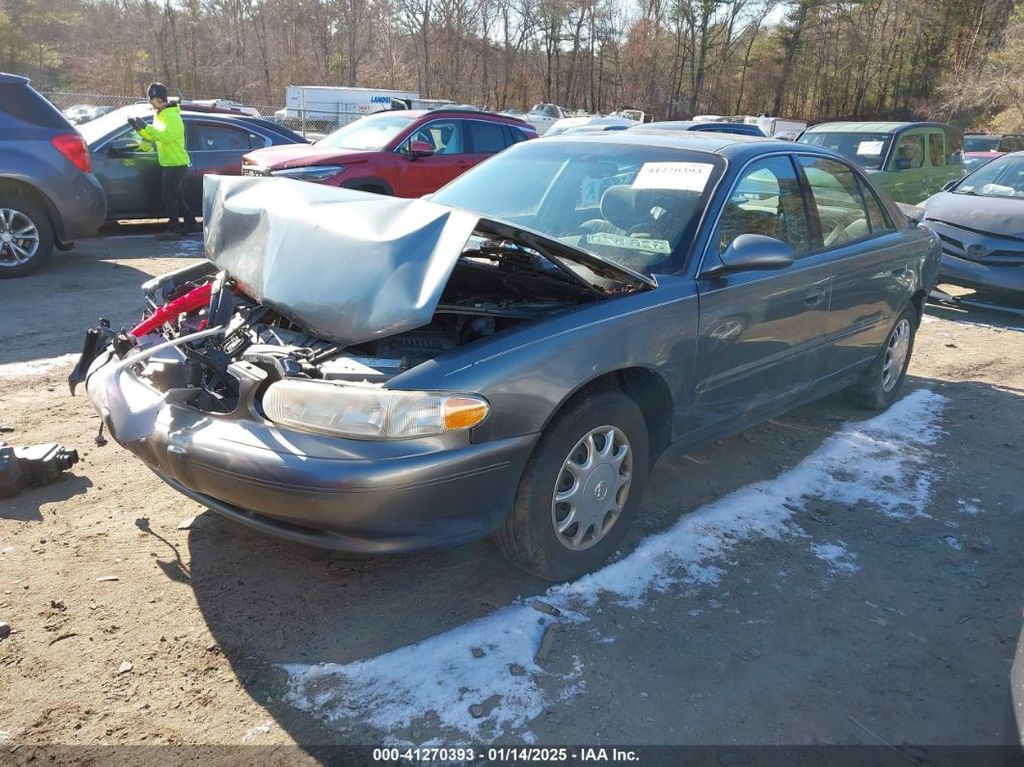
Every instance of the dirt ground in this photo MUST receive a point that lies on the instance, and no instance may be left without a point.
(131, 624)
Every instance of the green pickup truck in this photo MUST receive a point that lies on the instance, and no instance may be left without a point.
(911, 160)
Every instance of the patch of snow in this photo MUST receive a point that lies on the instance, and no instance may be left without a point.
(839, 558)
(882, 462)
(970, 507)
(37, 367)
(259, 729)
(953, 542)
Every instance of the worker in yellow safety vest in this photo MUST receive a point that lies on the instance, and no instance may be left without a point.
(167, 134)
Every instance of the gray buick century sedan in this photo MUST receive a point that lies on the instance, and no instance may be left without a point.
(509, 357)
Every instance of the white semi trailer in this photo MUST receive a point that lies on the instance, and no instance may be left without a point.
(331, 107)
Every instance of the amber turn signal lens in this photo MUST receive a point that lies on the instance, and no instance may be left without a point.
(463, 412)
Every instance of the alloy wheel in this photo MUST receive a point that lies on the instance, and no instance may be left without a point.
(19, 238)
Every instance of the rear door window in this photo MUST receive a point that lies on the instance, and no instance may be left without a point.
(878, 219)
(220, 138)
(514, 135)
(486, 137)
(26, 105)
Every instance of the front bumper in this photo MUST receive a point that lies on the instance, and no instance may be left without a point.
(983, 262)
(1005, 281)
(361, 496)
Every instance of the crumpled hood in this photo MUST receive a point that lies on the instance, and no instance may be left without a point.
(995, 215)
(351, 266)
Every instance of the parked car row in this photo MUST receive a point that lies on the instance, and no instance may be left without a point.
(56, 184)
(981, 148)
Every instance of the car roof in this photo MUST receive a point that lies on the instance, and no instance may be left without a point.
(9, 79)
(732, 146)
(143, 108)
(688, 124)
(871, 127)
(464, 111)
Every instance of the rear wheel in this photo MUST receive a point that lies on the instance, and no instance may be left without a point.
(880, 384)
(580, 489)
(26, 237)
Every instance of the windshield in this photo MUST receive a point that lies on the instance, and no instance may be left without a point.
(1003, 177)
(94, 130)
(866, 149)
(370, 132)
(634, 206)
(981, 143)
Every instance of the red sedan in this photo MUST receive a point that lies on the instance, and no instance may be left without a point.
(406, 153)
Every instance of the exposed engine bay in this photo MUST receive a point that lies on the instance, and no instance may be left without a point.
(495, 285)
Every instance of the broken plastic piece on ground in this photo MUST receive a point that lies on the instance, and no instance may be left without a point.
(91, 347)
(22, 467)
(940, 296)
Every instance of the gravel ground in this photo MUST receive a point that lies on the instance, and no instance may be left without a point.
(819, 579)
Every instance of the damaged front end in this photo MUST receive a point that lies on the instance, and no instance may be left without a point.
(289, 337)
(311, 284)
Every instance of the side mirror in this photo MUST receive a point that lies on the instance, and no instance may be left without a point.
(949, 186)
(754, 251)
(122, 147)
(420, 149)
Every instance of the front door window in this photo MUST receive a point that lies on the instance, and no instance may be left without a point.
(766, 200)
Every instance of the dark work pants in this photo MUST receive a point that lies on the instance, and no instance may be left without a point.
(173, 194)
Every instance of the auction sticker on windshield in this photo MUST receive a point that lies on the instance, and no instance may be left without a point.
(870, 147)
(686, 176)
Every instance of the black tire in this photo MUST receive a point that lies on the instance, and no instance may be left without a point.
(24, 209)
(529, 537)
(873, 389)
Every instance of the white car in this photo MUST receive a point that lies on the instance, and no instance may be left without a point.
(543, 116)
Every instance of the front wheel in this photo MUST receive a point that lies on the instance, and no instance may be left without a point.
(26, 237)
(580, 489)
(880, 384)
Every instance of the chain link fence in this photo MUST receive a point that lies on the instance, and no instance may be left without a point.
(81, 108)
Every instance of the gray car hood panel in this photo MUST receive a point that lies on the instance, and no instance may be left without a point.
(994, 215)
(350, 266)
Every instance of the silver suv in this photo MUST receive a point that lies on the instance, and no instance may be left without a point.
(48, 195)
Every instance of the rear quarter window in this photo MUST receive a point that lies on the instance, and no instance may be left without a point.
(486, 137)
(25, 105)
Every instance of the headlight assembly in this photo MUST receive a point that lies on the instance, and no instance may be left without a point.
(370, 413)
(311, 172)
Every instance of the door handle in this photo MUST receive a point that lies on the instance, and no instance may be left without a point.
(814, 297)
